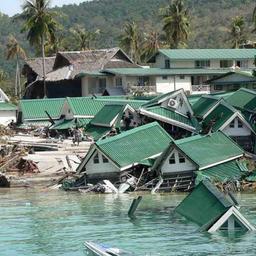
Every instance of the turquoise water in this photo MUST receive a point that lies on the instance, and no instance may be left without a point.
(58, 223)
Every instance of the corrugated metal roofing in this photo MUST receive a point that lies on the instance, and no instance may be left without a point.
(35, 109)
(90, 106)
(171, 114)
(6, 106)
(205, 204)
(164, 71)
(107, 114)
(209, 149)
(67, 124)
(218, 116)
(203, 105)
(204, 54)
(135, 145)
(241, 98)
(97, 132)
(221, 173)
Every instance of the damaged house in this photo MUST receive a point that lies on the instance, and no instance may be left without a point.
(174, 112)
(211, 154)
(74, 74)
(130, 152)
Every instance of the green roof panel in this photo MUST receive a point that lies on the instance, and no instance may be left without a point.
(242, 98)
(136, 145)
(203, 105)
(205, 54)
(35, 109)
(209, 149)
(221, 173)
(107, 114)
(204, 205)
(218, 117)
(6, 106)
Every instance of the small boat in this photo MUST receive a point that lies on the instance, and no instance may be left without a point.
(98, 249)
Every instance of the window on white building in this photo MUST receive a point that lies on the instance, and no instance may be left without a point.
(181, 158)
(232, 124)
(242, 63)
(102, 84)
(164, 77)
(182, 77)
(119, 82)
(239, 124)
(202, 63)
(104, 159)
(96, 159)
(172, 159)
(226, 63)
(167, 64)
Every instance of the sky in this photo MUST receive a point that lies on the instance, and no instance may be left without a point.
(12, 7)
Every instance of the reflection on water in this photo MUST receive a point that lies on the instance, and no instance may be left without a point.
(58, 223)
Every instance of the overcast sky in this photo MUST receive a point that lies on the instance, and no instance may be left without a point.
(12, 7)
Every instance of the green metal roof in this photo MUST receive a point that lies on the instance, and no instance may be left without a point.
(171, 114)
(97, 132)
(6, 106)
(204, 54)
(68, 124)
(35, 109)
(90, 106)
(107, 114)
(205, 204)
(164, 71)
(219, 116)
(221, 173)
(136, 145)
(242, 98)
(203, 105)
(209, 149)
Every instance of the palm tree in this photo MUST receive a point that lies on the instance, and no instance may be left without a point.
(237, 31)
(84, 37)
(151, 44)
(176, 23)
(14, 50)
(131, 40)
(40, 25)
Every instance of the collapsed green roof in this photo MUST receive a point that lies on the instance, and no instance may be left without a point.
(209, 150)
(205, 204)
(219, 116)
(136, 145)
(107, 115)
(203, 105)
(159, 113)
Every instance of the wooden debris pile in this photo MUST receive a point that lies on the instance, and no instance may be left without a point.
(23, 166)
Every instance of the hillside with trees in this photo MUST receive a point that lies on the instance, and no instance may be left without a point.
(101, 24)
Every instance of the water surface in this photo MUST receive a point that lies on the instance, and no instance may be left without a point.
(57, 223)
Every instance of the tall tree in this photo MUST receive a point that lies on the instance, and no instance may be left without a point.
(84, 37)
(40, 26)
(176, 22)
(14, 50)
(237, 31)
(151, 44)
(131, 40)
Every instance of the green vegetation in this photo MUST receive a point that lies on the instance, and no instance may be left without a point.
(176, 23)
(209, 26)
